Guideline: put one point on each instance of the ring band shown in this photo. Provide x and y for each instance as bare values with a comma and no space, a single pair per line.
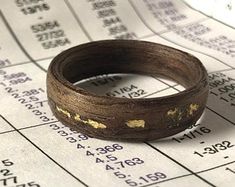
122,118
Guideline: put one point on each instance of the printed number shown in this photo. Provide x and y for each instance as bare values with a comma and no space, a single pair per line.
119,175
7,162
131,182
79,146
131,162
111,157
108,167
108,148
6,172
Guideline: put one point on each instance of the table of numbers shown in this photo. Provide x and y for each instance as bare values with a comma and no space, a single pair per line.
36,150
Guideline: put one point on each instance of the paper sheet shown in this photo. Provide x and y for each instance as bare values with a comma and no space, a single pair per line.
38,151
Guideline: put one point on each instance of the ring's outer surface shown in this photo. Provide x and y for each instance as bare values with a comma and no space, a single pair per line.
121,118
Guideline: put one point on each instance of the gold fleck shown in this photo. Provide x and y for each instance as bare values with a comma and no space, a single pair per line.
65,112
193,108
77,117
135,123
172,112
96,124
93,123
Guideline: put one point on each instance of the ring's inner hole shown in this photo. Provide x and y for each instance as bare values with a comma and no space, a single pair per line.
144,61
129,86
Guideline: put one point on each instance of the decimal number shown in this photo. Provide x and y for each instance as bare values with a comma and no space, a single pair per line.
124,164
104,150
141,180
104,4
153,177
129,162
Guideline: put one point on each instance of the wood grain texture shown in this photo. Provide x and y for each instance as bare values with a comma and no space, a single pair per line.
121,118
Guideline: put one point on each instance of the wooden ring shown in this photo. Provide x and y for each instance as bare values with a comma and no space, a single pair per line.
121,118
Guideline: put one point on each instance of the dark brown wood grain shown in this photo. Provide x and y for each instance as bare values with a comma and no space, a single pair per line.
121,118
